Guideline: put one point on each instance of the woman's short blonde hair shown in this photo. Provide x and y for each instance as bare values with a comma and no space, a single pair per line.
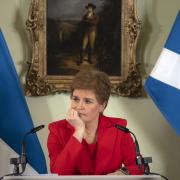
94,80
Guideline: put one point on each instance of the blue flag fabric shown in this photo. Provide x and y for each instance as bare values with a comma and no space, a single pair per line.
163,84
15,119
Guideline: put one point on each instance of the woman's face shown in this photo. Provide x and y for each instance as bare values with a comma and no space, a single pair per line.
86,104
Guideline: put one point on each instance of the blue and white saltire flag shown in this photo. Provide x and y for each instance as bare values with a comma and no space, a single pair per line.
15,119
163,84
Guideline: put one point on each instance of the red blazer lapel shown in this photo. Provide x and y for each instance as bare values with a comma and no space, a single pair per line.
106,143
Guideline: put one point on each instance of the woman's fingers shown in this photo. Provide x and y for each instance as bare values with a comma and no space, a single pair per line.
74,119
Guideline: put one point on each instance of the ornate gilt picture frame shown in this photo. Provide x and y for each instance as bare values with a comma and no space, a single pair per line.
57,45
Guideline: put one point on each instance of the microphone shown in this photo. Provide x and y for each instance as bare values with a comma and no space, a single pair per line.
34,130
125,129
138,154
22,160
23,152
139,159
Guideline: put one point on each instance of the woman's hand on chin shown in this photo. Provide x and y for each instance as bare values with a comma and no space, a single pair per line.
79,126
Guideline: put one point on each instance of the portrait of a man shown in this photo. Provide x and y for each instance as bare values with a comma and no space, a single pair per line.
83,34
89,28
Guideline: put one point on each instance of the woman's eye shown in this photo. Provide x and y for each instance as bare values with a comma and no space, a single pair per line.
87,101
75,99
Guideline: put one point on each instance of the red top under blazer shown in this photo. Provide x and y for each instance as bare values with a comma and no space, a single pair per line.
70,157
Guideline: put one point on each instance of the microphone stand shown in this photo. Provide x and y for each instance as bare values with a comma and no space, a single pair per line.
139,159
22,160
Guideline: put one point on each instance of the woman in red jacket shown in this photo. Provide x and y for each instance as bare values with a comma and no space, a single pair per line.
87,142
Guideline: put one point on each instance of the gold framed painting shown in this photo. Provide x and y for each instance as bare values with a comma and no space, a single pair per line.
66,38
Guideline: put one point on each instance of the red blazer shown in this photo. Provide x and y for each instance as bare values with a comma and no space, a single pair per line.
69,157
